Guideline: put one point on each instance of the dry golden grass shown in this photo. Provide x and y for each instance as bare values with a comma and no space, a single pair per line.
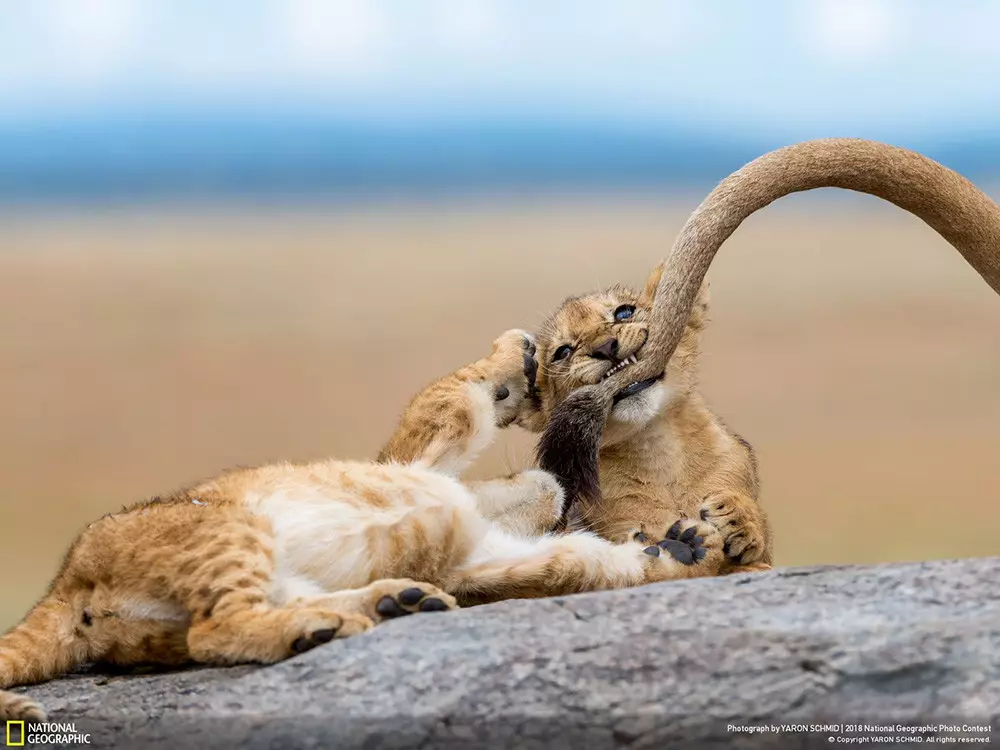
143,351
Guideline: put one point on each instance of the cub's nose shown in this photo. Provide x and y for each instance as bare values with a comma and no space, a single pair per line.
607,350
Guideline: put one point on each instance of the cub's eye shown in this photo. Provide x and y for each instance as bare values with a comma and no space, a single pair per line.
562,352
624,312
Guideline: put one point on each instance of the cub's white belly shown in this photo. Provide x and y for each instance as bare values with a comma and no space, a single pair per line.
371,522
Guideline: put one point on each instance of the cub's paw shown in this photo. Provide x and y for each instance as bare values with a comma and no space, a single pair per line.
514,379
691,542
311,627
400,597
16,707
688,542
514,355
738,520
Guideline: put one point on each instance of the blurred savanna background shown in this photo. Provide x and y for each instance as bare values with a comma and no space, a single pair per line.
238,232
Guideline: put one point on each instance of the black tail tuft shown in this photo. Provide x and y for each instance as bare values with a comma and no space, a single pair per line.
570,444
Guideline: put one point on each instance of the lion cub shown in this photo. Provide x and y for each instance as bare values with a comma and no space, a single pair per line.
260,564
664,454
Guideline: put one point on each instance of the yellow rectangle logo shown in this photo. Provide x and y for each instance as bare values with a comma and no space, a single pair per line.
10,742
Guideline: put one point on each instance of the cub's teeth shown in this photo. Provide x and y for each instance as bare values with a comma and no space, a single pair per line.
631,360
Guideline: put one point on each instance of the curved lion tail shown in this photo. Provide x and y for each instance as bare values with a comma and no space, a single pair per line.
951,205
44,645
947,202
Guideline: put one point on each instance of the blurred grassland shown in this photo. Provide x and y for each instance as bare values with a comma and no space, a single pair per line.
144,350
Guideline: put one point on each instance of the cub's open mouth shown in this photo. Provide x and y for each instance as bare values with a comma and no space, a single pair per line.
619,367
634,388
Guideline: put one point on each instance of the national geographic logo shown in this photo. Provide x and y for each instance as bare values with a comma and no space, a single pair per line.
20,734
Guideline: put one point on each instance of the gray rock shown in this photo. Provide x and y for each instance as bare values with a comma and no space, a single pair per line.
673,665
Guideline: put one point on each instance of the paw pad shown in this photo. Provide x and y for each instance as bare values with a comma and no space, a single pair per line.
408,601
686,547
389,608
411,596
316,638
433,604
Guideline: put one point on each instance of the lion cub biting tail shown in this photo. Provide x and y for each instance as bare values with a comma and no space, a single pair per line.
260,564
665,455
616,388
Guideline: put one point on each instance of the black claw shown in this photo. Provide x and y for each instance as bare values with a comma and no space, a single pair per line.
433,604
680,551
689,534
410,596
674,531
387,607
323,636
739,556
530,368
652,551
501,393
301,644
735,547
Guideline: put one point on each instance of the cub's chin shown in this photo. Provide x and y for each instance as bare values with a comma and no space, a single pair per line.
634,412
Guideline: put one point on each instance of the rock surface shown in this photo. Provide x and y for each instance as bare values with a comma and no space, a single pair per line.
673,665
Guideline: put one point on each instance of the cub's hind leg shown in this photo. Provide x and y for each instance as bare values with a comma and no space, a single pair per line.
385,599
41,647
511,568
17,707
451,421
526,504
266,634
232,618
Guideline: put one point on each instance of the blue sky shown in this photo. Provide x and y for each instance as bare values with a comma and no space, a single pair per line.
787,68
130,98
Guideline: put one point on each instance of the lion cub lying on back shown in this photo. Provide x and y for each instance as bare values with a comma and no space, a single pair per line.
260,564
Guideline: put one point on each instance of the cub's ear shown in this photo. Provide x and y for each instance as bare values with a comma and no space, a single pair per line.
649,292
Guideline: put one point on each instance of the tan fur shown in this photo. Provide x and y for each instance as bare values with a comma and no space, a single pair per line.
685,459
259,564
665,455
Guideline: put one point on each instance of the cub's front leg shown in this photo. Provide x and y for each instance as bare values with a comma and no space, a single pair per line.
452,420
